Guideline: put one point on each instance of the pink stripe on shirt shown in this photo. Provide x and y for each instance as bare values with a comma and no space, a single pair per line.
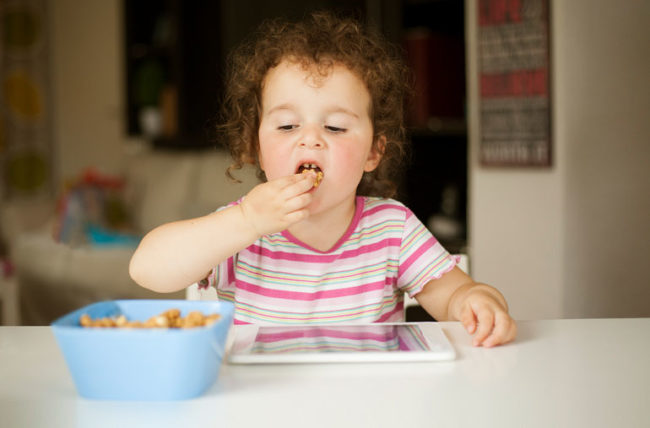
416,255
298,295
322,258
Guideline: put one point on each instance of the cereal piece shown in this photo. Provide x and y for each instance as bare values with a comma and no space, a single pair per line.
195,316
319,176
193,319
85,320
134,324
120,321
150,323
172,314
211,319
161,321
105,322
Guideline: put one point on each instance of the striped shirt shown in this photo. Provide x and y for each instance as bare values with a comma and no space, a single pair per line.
385,252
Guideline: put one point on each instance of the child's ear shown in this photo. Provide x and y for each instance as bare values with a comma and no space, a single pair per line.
376,153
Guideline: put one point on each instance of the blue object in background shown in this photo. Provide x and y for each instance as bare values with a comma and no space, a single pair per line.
143,364
101,236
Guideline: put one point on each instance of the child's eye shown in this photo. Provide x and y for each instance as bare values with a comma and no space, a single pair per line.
335,129
287,127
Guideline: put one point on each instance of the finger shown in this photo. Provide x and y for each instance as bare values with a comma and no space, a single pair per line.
485,325
468,320
305,175
501,332
286,181
296,216
298,202
509,336
282,182
300,184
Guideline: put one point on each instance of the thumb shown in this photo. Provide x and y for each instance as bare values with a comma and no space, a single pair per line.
467,319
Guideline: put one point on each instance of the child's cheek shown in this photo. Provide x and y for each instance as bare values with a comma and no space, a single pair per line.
350,164
272,158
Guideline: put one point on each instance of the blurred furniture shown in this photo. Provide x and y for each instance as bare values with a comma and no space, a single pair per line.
558,373
53,278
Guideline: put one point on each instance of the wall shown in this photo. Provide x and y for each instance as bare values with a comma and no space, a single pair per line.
605,67
571,241
87,69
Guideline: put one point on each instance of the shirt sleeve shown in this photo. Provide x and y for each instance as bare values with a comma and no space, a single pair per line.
219,276
422,257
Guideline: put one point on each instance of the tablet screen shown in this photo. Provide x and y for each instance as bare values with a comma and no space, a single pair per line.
362,338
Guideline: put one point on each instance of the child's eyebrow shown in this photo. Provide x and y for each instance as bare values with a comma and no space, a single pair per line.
343,110
286,106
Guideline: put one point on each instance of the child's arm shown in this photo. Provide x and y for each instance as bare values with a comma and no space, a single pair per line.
481,308
177,254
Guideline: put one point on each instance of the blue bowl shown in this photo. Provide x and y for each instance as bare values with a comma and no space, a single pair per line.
143,364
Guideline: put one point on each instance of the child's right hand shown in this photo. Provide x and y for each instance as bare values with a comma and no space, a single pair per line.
275,205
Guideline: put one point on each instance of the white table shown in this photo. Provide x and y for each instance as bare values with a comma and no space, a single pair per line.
562,373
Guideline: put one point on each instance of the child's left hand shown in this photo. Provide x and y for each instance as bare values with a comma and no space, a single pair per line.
485,316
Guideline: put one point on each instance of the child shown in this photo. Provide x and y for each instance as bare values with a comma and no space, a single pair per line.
318,107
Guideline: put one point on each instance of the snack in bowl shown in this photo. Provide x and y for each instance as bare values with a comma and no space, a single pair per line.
171,318
144,363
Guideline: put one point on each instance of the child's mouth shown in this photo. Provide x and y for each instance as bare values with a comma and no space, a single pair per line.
305,167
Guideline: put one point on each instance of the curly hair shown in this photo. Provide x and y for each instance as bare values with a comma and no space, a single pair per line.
321,40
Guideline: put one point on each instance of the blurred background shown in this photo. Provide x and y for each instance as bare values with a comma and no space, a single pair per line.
106,127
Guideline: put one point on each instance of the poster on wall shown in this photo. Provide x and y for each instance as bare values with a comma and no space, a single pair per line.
514,81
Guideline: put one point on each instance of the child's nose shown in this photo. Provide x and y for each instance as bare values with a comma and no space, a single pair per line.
311,138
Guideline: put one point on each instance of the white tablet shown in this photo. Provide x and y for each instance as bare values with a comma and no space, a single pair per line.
254,344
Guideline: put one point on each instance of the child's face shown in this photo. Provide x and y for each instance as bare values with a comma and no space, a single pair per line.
307,118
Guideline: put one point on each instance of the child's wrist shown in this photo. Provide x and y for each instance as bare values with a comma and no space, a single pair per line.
247,222
456,300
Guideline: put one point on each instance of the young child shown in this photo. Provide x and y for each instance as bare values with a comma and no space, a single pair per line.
318,107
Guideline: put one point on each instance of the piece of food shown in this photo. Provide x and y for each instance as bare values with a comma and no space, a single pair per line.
306,167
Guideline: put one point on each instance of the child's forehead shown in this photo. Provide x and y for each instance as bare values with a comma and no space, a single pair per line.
294,81
333,83
314,72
